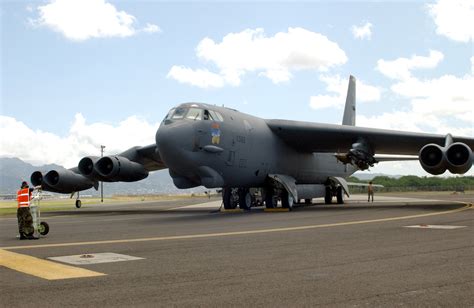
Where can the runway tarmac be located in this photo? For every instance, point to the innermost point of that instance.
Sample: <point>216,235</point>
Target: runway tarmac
<point>412,251</point>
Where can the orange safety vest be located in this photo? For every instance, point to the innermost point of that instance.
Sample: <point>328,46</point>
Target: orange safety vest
<point>23,197</point>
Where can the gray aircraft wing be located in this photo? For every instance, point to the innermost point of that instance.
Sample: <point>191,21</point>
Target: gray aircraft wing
<point>131,165</point>
<point>151,159</point>
<point>332,138</point>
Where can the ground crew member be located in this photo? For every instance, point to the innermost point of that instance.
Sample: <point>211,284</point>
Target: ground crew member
<point>370,191</point>
<point>25,220</point>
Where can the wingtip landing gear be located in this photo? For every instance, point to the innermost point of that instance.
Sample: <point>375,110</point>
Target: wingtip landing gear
<point>78,202</point>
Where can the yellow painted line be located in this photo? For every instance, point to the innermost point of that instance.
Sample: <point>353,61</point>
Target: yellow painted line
<point>235,233</point>
<point>42,268</point>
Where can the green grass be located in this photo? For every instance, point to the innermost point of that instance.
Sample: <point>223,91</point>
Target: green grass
<point>9,207</point>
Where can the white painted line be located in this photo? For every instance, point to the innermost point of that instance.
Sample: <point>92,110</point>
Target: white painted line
<point>94,258</point>
<point>442,227</point>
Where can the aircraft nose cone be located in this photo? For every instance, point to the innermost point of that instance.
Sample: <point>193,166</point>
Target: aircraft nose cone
<point>175,143</point>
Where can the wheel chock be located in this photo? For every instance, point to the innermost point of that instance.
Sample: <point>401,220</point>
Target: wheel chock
<point>276,210</point>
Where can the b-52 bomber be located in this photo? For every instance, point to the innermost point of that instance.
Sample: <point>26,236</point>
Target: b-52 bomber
<point>286,161</point>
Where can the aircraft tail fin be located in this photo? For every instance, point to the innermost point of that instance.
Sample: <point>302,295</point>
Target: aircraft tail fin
<point>350,109</point>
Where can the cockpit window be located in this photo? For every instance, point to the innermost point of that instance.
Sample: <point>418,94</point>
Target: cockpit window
<point>179,113</point>
<point>194,114</point>
<point>216,116</point>
<point>170,113</point>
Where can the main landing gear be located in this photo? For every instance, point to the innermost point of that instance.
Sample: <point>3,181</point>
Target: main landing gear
<point>334,191</point>
<point>246,198</point>
<point>233,197</point>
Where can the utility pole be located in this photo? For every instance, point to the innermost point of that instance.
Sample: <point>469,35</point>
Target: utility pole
<point>102,147</point>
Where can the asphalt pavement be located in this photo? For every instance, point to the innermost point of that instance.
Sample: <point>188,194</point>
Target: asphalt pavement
<point>188,253</point>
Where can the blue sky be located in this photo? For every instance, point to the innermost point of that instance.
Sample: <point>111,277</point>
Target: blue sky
<point>108,72</point>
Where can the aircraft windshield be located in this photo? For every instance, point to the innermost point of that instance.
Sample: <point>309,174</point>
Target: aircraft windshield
<point>193,113</point>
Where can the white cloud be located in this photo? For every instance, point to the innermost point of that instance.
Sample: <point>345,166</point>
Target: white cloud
<point>472,65</point>
<point>446,96</point>
<point>335,84</point>
<point>200,78</point>
<point>38,147</point>
<point>85,19</point>
<point>454,19</point>
<point>251,51</point>
<point>401,68</point>
<point>441,105</point>
<point>362,32</point>
<point>413,122</point>
<point>151,28</point>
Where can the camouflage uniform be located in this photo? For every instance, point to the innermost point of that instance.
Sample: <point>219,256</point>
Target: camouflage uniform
<point>25,221</point>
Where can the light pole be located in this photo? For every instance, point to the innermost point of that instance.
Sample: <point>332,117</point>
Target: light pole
<point>102,147</point>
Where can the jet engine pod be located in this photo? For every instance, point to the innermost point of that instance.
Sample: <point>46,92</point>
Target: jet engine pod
<point>459,158</point>
<point>119,168</point>
<point>433,159</point>
<point>37,180</point>
<point>87,168</point>
<point>86,165</point>
<point>66,181</point>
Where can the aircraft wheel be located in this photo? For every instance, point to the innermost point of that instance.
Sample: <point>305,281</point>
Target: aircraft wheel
<point>270,200</point>
<point>308,201</point>
<point>78,204</point>
<point>245,200</point>
<point>43,228</point>
<point>328,195</point>
<point>230,197</point>
<point>287,201</point>
<point>339,195</point>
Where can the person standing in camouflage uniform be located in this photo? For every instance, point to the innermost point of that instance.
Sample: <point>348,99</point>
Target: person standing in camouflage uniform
<point>25,220</point>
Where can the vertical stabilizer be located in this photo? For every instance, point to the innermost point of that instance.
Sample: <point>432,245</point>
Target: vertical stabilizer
<point>350,109</point>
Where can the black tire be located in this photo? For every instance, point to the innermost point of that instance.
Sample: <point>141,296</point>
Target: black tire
<point>78,204</point>
<point>328,195</point>
<point>308,201</point>
<point>270,200</point>
<point>43,228</point>
<point>245,200</point>
<point>230,198</point>
<point>339,195</point>
<point>287,200</point>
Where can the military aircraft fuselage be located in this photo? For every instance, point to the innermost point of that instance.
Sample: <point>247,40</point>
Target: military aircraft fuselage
<point>257,160</point>
<point>220,147</point>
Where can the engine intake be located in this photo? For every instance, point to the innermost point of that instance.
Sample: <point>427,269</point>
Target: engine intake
<point>459,158</point>
<point>432,159</point>
<point>119,168</point>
